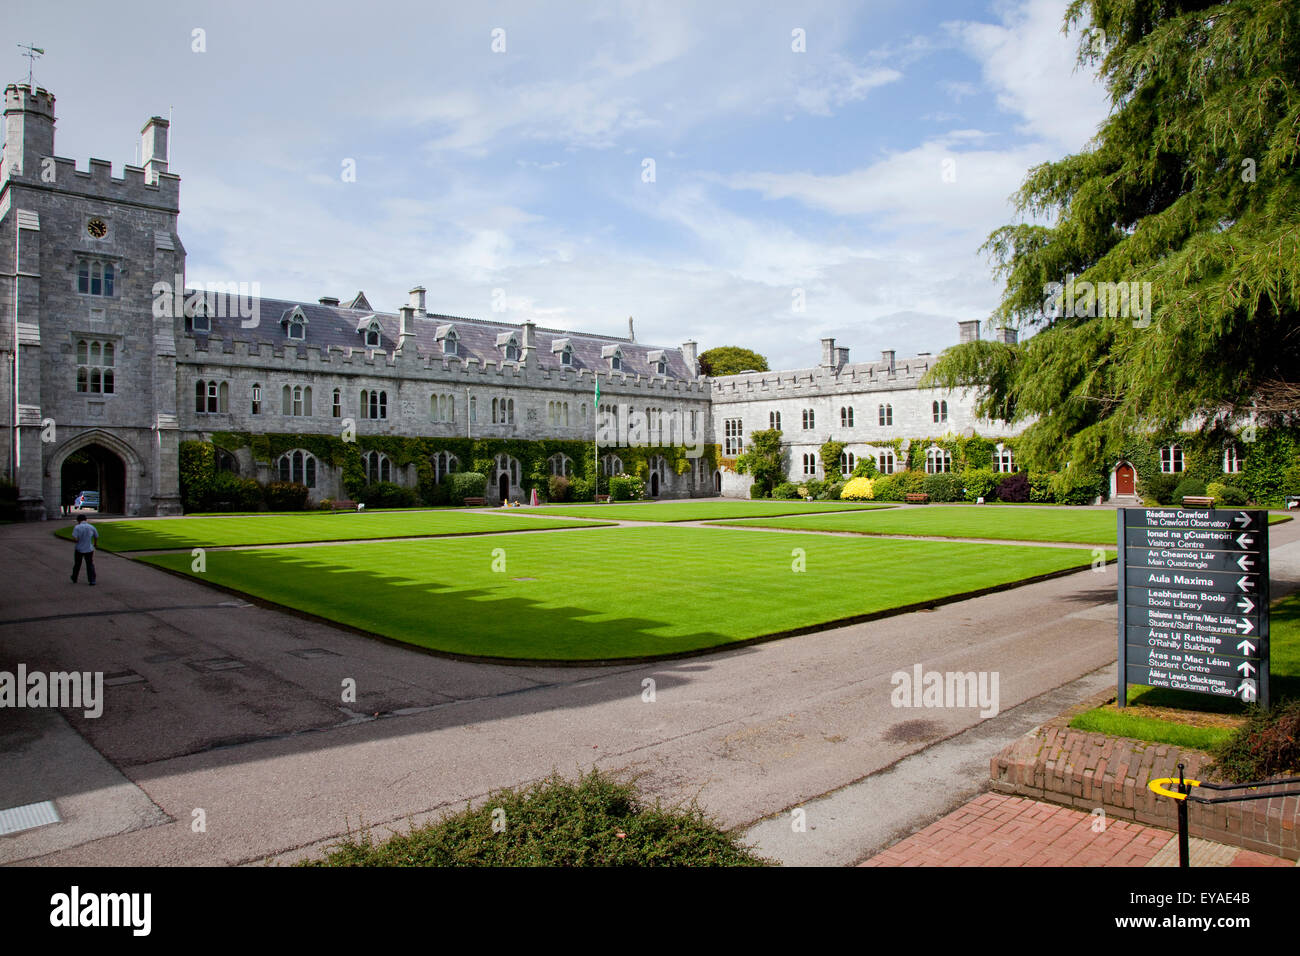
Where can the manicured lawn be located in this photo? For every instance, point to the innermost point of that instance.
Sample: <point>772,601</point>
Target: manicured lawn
<point>158,534</point>
<point>1081,525</point>
<point>614,592</point>
<point>702,510</point>
<point>1196,725</point>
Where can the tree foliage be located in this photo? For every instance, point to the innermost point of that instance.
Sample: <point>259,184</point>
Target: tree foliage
<point>1191,185</point>
<point>764,460</point>
<point>731,360</point>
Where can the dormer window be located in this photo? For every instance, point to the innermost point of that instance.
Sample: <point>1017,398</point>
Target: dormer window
<point>369,327</point>
<point>564,349</point>
<point>615,356</point>
<point>446,334</point>
<point>199,313</point>
<point>510,344</point>
<point>658,361</point>
<point>295,323</point>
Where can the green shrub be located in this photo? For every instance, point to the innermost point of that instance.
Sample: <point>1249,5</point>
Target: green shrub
<point>436,495</point>
<point>756,490</point>
<point>386,494</point>
<point>1268,745</point>
<point>1072,487</point>
<point>286,496</point>
<point>558,488</point>
<point>240,494</point>
<point>832,491</point>
<point>814,487</point>
<point>979,483</point>
<point>865,468</point>
<point>1040,486</point>
<point>897,486</point>
<point>1157,488</point>
<point>1188,486</point>
<point>626,488</point>
<point>945,486</point>
<point>582,489</point>
<point>1233,497</point>
<point>786,490</point>
<point>593,821</point>
<point>465,484</point>
<point>198,467</point>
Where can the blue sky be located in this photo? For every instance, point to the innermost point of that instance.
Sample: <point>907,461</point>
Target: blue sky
<point>516,177</point>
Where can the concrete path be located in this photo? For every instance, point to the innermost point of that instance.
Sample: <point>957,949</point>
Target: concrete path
<point>230,715</point>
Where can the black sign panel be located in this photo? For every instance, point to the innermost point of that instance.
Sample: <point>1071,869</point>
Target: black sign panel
<point>1193,601</point>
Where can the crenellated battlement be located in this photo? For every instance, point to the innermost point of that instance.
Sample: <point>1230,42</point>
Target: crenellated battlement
<point>97,182</point>
<point>403,367</point>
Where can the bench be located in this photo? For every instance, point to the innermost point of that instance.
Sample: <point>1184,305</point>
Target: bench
<point>1292,502</point>
<point>343,504</point>
<point>916,497</point>
<point>475,502</point>
<point>1199,501</point>
<point>602,499</point>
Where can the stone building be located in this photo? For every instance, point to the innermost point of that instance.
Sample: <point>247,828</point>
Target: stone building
<point>110,361</point>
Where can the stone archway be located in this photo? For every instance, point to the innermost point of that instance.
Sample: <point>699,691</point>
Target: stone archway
<point>113,466</point>
<point>94,468</point>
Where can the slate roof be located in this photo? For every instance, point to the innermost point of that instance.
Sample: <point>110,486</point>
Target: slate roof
<point>342,327</point>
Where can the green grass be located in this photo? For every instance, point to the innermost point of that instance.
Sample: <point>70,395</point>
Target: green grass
<point>1150,728</point>
<point>594,821</point>
<point>1284,678</point>
<point>702,510</point>
<point>185,533</point>
<point>1073,525</point>
<point>615,592</point>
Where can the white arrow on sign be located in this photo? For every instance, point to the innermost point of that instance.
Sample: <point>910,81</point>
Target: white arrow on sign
<point>1245,605</point>
<point>1245,562</point>
<point>1246,667</point>
<point>1242,519</point>
<point>1244,540</point>
<point>1245,625</point>
<point>1246,647</point>
<point>1245,583</point>
<point>1246,689</point>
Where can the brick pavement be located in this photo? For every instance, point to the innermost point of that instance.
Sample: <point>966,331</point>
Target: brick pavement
<point>999,830</point>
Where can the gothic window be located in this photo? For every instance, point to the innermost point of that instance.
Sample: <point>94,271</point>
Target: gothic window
<point>451,344</point>
<point>336,407</point>
<point>95,278</point>
<point>846,418</point>
<point>561,465</point>
<point>444,464</point>
<point>1231,459</point>
<point>297,329</point>
<point>211,398</point>
<point>257,399</point>
<point>939,411</point>
<point>809,464</point>
<point>1171,459</point>
<point>299,467</point>
<point>937,460</point>
<point>774,420</point>
<point>733,434</point>
<point>611,465</point>
<point>886,414</point>
<point>442,408</point>
<point>885,462</point>
<point>378,467</point>
<point>95,362</point>
<point>374,404</point>
<point>1004,462</point>
<point>847,463</point>
<point>809,419</point>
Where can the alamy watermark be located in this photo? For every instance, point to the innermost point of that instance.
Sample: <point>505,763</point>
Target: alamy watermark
<point>217,300</point>
<point>1113,300</point>
<point>623,426</point>
<point>71,689</point>
<point>946,689</point>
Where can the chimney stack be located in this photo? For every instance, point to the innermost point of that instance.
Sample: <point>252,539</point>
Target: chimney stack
<point>417,301</point>
<point>968,331</point>
<point>689,353</point>
<point>828,353</point>
<point>404,327</point>
<point>887,356</point>
<point>841,356</point>
<point>1005,335</point>
<point>527,344</point>
<point>153,148</point>
<point>328,300</point>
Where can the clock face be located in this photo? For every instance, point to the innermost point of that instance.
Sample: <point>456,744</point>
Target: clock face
<point>97,228</point>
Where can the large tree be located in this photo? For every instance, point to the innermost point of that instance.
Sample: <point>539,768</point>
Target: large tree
<point>730,360</point>
<point>1191,185</point>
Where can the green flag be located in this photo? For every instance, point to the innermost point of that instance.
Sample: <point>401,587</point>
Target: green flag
<point>598,394</point>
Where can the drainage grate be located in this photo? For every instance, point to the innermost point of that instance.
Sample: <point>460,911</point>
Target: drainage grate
<point>216,664</point>
<point>308,653</point>
<point>28,817</point>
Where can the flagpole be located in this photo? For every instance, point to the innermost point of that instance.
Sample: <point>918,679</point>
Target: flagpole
<point>595,441</point>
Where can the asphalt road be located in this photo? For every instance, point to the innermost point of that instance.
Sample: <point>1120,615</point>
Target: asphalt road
<point>231,716</point>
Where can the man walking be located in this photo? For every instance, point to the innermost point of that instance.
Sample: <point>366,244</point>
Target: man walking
<point>85,536</point>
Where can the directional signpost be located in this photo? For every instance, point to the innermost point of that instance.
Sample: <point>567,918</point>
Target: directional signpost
<point>1193,601</point>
